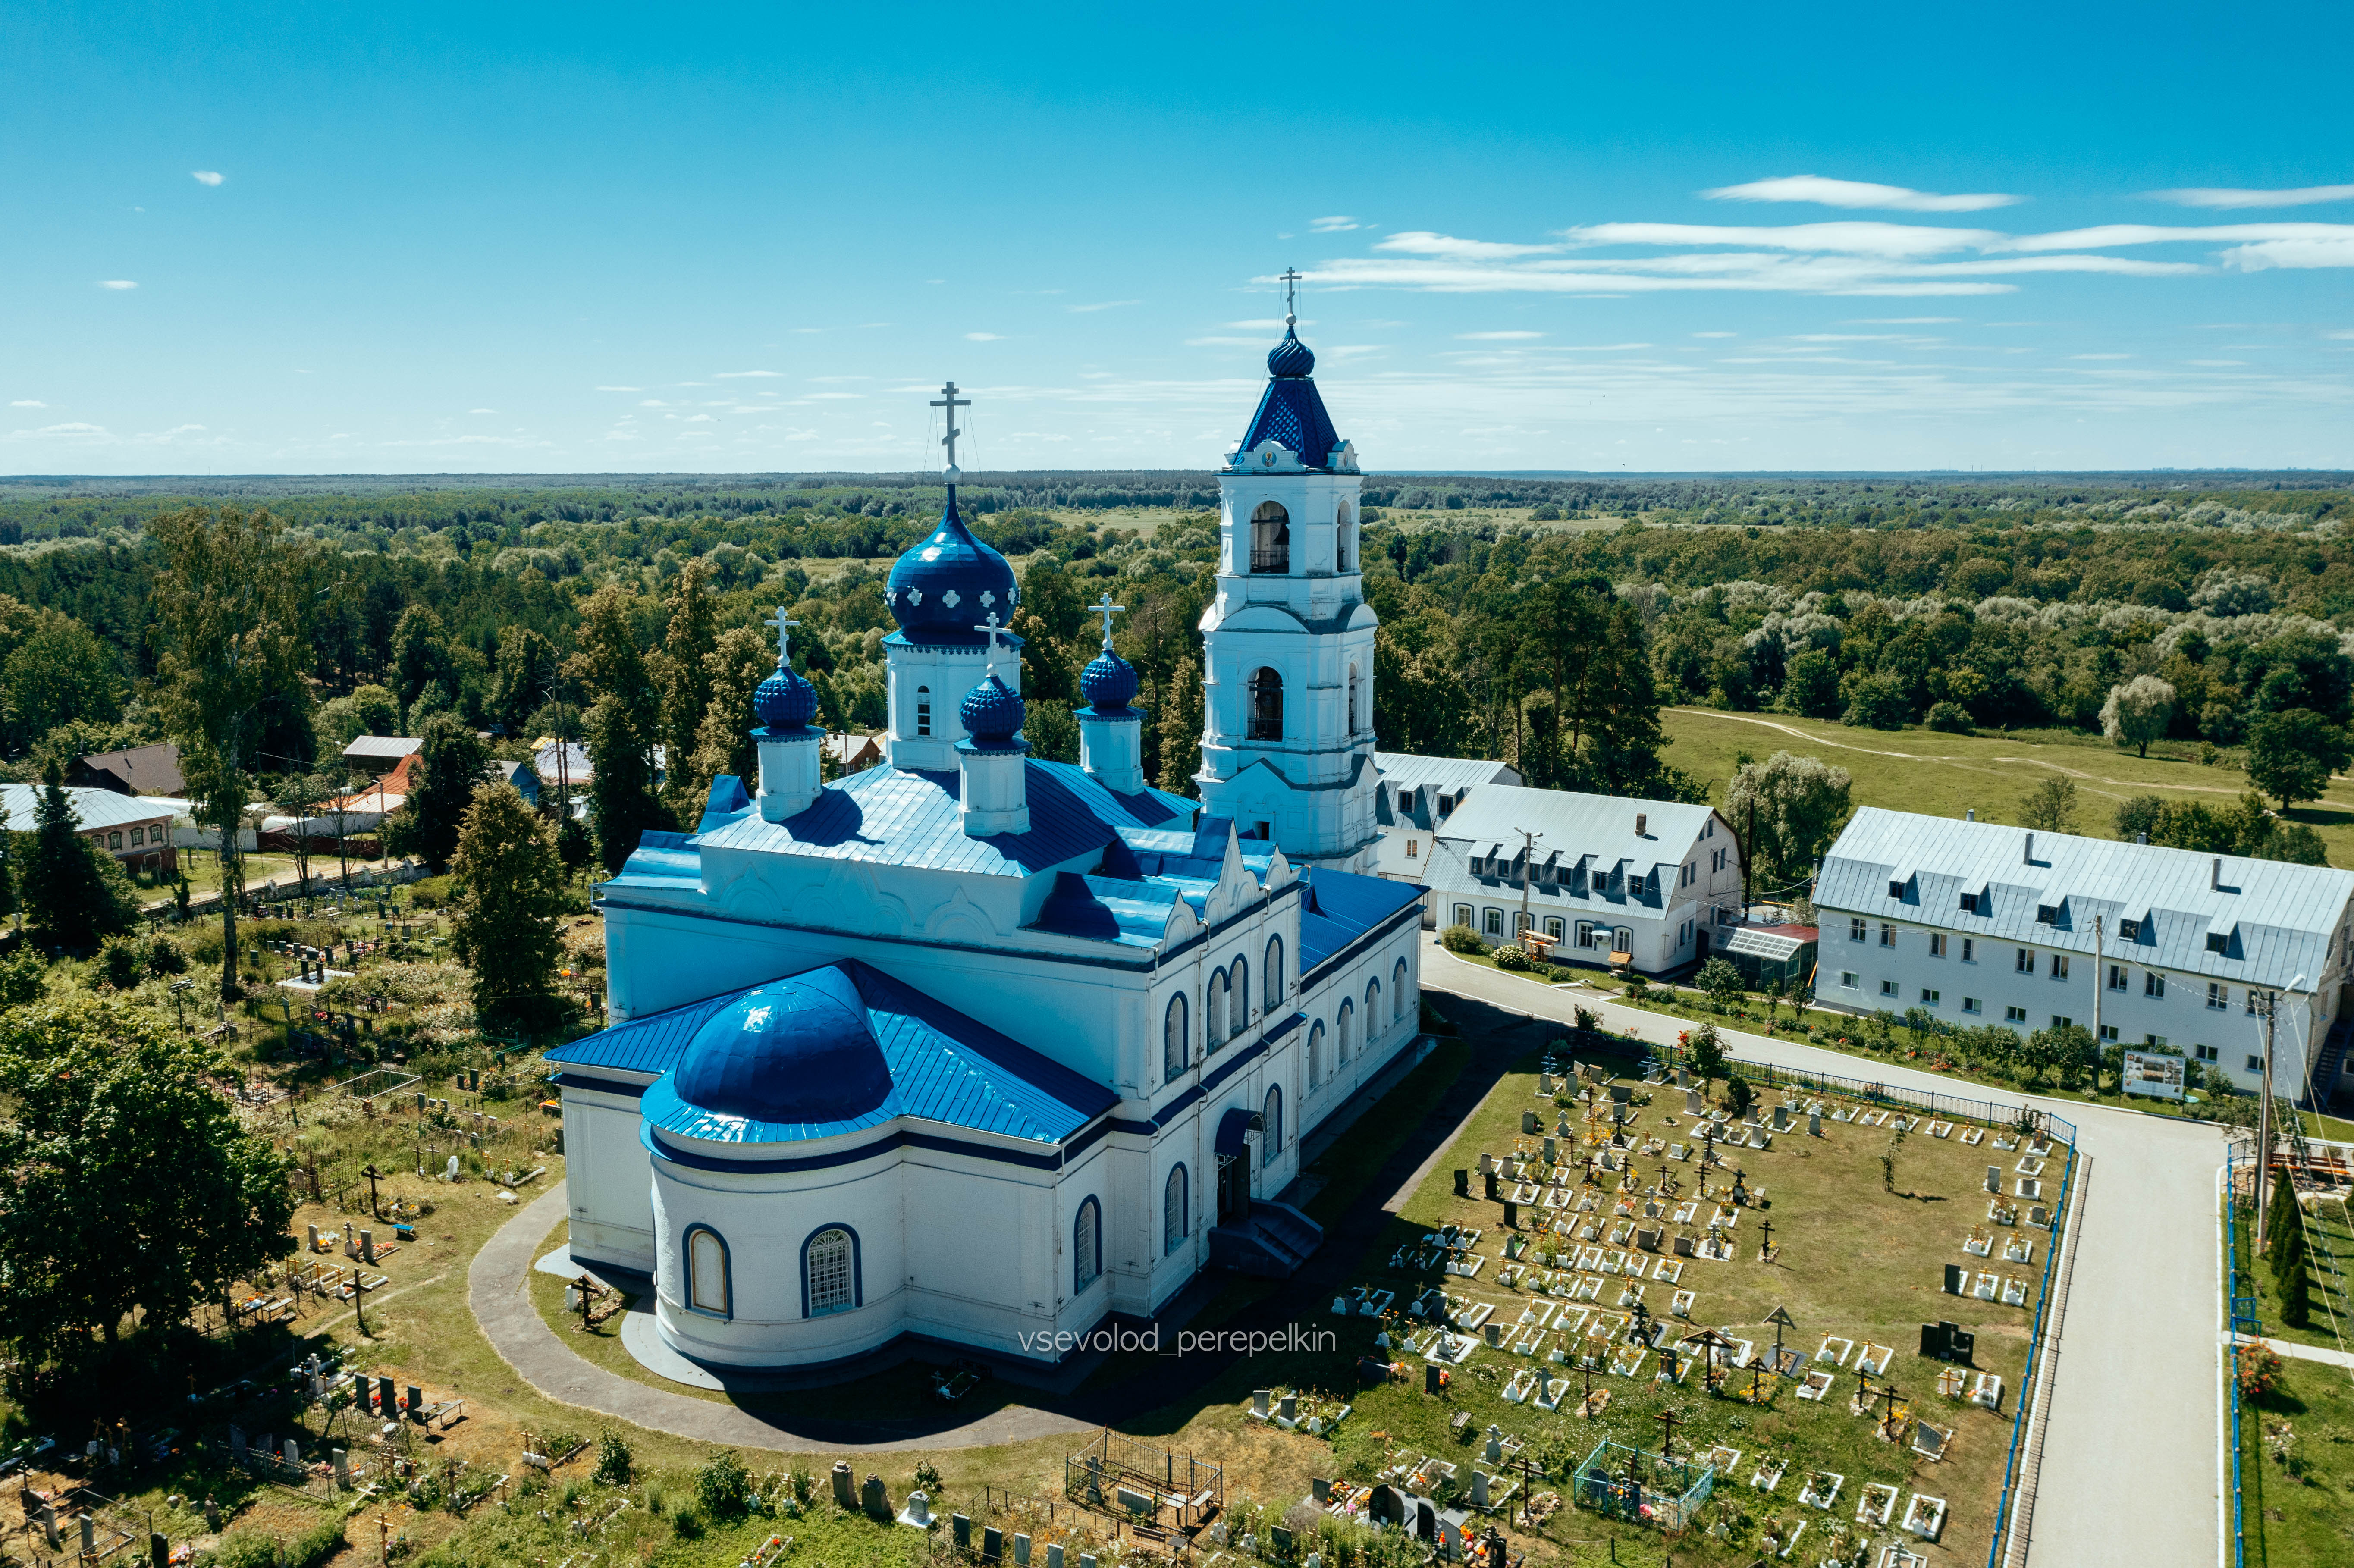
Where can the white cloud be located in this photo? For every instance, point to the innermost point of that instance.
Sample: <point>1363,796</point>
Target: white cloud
<point>2329,334</point>
<point>984,337</point>
<point>746,375</point>
<point>1273,323</point>
<point>482,410</point>
<point>1859,238</point>
<point>1332,225</point>
<point>207,176</point>
<point>1904,321</point>
<point>2100,356</point>
<point>2335,252</point>
<point>1106,305</point>
<point>2225,197</point>
<point>620,388</point>
<point>1852,194</point>
<point>1226,342</point>
<point>651,403</point>
<point>36,403</point>
<point>2218,363</point>
<point>117,284</point>
<point>1422,243</point>
<point>1716,335</point>
<point>1497,337</point>
<point>68,431</point>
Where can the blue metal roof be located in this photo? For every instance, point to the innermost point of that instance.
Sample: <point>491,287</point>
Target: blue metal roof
<point>1292,413</point>
<point>1109,909</point>
<point>944,1067</point>
<point>1342,907</point>
<point>891,816</point>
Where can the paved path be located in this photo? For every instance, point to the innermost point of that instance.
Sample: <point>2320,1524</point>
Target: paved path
<point>2136,1364</point>
<point>2312,1353</point>
<point>498,1290</point>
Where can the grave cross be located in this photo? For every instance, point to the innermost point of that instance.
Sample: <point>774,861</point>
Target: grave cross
<point>1887,1418</point>
<point>371,1173</point>
<point>1766,1252</point>
<point>1667,1419</point>
<point>1781,1320</point>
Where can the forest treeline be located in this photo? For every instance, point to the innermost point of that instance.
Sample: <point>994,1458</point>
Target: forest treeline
<point>2167,607</point>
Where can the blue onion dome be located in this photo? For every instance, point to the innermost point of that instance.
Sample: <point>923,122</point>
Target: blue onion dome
<point>792,1050</point>
<point>1107,683</point>
<point>785,701</point>
<point>992,712</point>
<point>1291,359</point>
<point>949,583</point>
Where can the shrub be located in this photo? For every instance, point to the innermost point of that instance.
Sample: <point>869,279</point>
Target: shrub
<point>314,1546</point>
<point>246,1549</point>
<point>614,1460</point>
<point>24,978</point>
<point>1460,939</point>
<point>927,1478</point>
<point>165,958</point>
<point>1514,958</point>
<point>120,963</point>
<point>1736,1089</point>
<point>1951,717</point>
<point>687,1523</point>
<point>722,1488</point>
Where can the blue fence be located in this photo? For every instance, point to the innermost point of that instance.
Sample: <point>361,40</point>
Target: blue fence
<point>2244,1322</point>
<point>2003,1517</point>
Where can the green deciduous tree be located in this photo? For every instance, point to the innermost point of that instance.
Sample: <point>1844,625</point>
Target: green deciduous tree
<point>60,671</point>
<point>509,894</point>
<point>2138,712</point>
<point>75,894</point>
<point>231,607</point>
<point>1801,804</point>
<point>739,663</point>
<point>2292,754</point>
<point>129,1186</point>
<point>422,659</point>
<point>451,759</point>
<point>1707,1056</point>
<point>1721,981</point>
<point>680,675</point>
<point>525,678</point>
<point>2051,806</point>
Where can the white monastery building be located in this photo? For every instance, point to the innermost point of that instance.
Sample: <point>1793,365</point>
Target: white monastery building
<point>1986,924</point>
<point>978,1048</point>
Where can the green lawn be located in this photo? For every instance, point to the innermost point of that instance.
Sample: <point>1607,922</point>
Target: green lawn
<point>2296,1468</point>
<point>1944,775</point>
<point>2331,1241</point>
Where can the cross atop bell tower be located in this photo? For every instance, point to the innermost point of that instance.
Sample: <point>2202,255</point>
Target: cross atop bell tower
<point>948,400</point>
<point>1289,278</point>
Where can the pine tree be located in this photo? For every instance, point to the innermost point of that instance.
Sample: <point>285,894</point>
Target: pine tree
<point>738,664</point>
<point>682,676</point>
<point>74,892</point>
<point>621,725</point>
<point>1180,729</point>
<point>509,885</point>
<point>2296,1292</point>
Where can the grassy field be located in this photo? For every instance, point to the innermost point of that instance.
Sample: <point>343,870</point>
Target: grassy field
<point>2296,1468</point>
<point>2331,1238</point>
<point>1944,775</point>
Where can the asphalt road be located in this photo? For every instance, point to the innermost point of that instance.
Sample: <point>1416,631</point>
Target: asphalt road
<point>2130,1466</point>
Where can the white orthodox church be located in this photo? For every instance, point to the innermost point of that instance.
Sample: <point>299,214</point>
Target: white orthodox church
<point>980,1048</point>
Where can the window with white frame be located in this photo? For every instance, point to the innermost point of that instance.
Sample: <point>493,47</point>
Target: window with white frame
<point>2026,964</point>
<point>2059,966</point>
<point>1928,997</point>
<point>831,1271</point>
<point>1463,914</point>
<point>2219,995</point>
<point>1495,923</point>
<point>1855,929</point>
<point>2116,977</point>
<point>1887,935</point>
<point>1969,1005</point>
<point>1936,944</point>
<point>1888,987</point>
<point>1849,979</point>
<point>2014,1015</point>
<point>2153,984</point>
<point>1969,950</point>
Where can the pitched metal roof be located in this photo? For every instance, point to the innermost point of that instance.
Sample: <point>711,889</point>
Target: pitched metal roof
<point>945,1067</point>
<point>143,770</point>
<point>1342,907</point>
<point>1571,825</point>
<point>1109,909</point>
<point>90,808</point>
<point>2276,920</point>
<point>1404,770</point>
<point>382,746</point>
<point>1291,412</point>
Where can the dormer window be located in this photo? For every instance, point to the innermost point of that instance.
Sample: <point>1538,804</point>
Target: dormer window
<point>1895,889</point>
<point>2047,913</point>
<point>2219,942</point>
<point>2129,929</point>
<point>1970,903</point>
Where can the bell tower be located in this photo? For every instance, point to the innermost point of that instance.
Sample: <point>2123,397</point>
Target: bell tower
<point>1287,689</point>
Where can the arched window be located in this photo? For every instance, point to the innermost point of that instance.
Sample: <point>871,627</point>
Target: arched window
<point>1342,527</point>
<point>1274,973</point>
<point>829,1281</point>
<point>708,1287</point>
<point>1176,1041</point>
<point>1352,699</point>
<point>1266,704</point>
<point>1316,1055</point>
<point>1214,1011</point>
<point>1397,992</point>
<point>1372,1008</point>
<point>1273,1115</point>
<point>1086,1247</point>
<point>1238,999</point>
<point>1344,1028</point>
<point>923,710</point>
<point>1176,1217</point>
<point>1270,538</point>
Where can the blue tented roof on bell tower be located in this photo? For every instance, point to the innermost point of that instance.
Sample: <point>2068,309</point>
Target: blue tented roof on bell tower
<point>1291,412</point>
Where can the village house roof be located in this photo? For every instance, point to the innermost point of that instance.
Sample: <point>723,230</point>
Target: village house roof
<point>134,770</point>
<point>90,808</point>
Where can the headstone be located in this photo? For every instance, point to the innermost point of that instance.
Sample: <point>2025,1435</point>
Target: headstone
<point>1545,1084</point>
<point>1487,1163</point>
<point>159,1550</point>
<point>1781,1119</point>
<point>1956,1279</point>
<point>1492,1193</point>
<point>368,1246</point>
<point>89,1535</point>
<point>1963,1344</point>
<point>992,1544</point>
<point>1288,1408</point>
<point>1259,1398</point>
<point>1021,1550</point>
<point>294,1453</point>
<point>452,1171</point>
<point>1529,1123</point>
<point>960,1527</point>
<point>1463,1183</point>
<point>1086,1560</point>
<point>1814,1124</point>
<point>1683,1247</point>
<point>50,1510</point>
<point>415,1402</point>
<point>877,1501</point>
<point>1054,1554</point>
<point>1494,1452</point>
<point>1511,1215</point>
<point>343,1468</point>
<point>1434,1377</point>
<point>1282,1534</point>
<point>310,1237</point>
<point>1683,1079</point>
<point>1495,1333</point>
<point>1552,1149</point>
<point>1479,1489</point>
<point>844,1487</point>
<point>1692,1106</point>
<point>2039,1216</point>
<point>236,1444</point>
<point>1321,1488</point>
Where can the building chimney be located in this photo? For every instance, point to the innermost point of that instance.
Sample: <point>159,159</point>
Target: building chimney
<point>2141,838</point>
<point>1971,815</point>
<point>2215,873</point>
<point>1640,819</point>
<point>2030,849</point>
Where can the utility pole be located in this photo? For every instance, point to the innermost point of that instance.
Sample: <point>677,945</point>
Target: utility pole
<point>2264,1125</point>
<point>2100,984</point>
<point>1748,854</point>
<point>1528,874</point>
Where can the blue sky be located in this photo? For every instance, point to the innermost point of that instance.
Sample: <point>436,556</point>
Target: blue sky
<point>344,240</point>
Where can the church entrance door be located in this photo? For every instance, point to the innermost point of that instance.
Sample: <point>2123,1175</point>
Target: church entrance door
<point>1233,1188</point>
